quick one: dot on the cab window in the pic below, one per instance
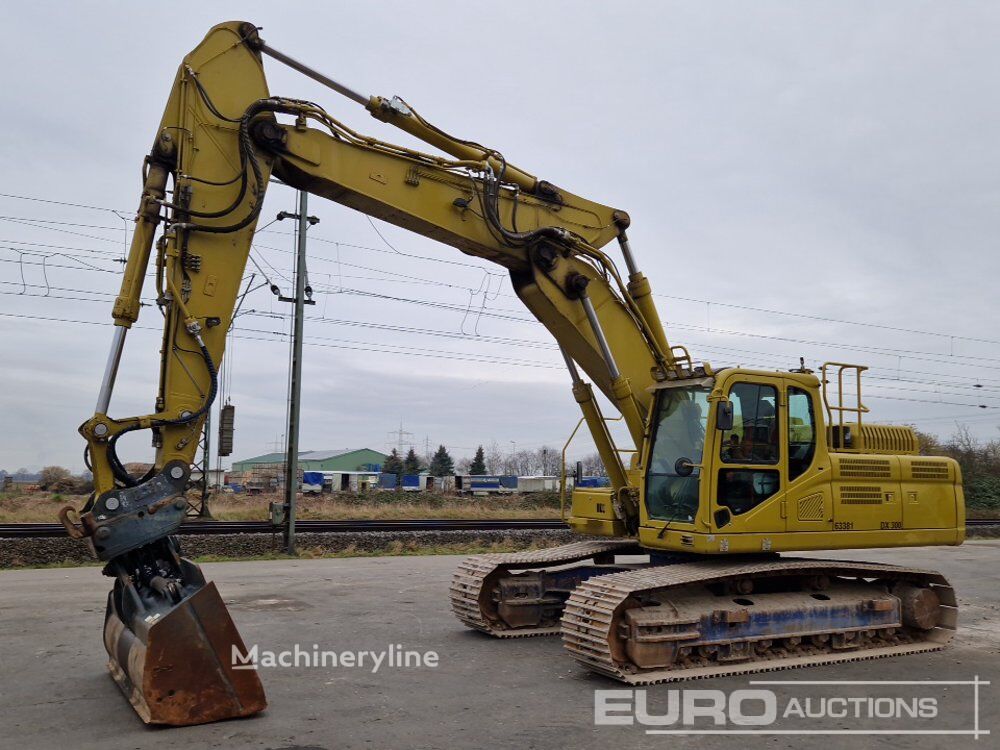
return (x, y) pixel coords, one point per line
(801, 432)
(673, 478)
(754, 437)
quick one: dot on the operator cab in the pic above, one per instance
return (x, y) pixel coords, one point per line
(723, 446)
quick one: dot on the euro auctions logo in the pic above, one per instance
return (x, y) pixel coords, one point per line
(795, 707)
(685, 707)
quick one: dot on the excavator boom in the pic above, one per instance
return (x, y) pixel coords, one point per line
(221, 139)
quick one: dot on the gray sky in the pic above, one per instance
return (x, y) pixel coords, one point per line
(829, 159)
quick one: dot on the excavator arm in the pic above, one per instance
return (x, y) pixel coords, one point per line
(222, 138)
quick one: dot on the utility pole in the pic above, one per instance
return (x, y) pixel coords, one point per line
(199, 508)
(295, 384)
(206, 463)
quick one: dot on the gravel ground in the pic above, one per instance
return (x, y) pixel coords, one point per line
(516, 694)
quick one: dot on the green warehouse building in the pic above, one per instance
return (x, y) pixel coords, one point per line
(350, 459)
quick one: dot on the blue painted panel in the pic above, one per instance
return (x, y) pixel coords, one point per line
(484, 483)
(783, 622)
(312, 477)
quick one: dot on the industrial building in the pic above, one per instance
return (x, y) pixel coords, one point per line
(18, 481)
(346, 460)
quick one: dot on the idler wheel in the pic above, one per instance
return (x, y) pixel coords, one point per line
(921, 607)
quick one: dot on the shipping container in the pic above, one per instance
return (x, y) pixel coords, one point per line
(593, 482)
(537, 484)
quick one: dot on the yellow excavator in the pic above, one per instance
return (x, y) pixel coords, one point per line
(678, 573)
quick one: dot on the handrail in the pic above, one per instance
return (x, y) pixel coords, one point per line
(562, 470)
(859, 409)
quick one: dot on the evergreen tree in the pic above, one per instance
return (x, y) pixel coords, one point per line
(441, 463)
(393, 464)
(411, 464)
(478, 465)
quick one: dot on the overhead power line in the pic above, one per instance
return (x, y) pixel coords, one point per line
(280, 336)
(393, 249)
(17, 244)
(37, 220)
(825, 319)
(513, 315)
(774, 358)
(58, 203)
(709, 348)
(501, 313)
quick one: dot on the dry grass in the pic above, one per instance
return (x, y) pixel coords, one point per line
(478, 547)
(390, 505)
(40, 507)
(974, 512)
(34, 507)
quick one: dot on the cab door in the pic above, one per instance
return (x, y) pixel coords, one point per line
(748, 483)
(808, 498)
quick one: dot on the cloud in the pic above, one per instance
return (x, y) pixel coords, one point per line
(836, 160)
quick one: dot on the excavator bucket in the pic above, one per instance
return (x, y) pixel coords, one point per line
(177, 662)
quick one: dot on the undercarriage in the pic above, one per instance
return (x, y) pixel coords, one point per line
(683, 617)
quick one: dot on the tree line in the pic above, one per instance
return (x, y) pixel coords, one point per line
(489, 460)
(980, 462)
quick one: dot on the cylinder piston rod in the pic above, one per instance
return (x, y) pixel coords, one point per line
(602, 342)
(396, 112)
(570, 365)
(291, 62)
(111, 370)
(626, 248)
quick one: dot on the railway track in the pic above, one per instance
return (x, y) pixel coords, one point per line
(208, 528)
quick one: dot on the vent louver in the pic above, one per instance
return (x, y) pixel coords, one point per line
(865, 468)
(929, 470)
(860, 495)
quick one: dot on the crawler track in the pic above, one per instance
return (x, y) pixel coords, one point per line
(473, 582)
(593, 614)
